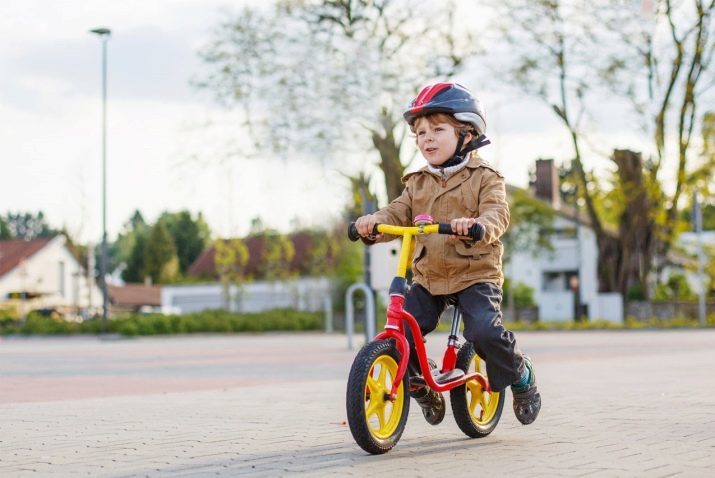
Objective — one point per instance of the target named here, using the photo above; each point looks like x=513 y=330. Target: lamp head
x=102 y=31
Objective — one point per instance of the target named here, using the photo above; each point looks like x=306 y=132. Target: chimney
x=546 y=186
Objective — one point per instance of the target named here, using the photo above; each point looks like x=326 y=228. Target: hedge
x=157 y=324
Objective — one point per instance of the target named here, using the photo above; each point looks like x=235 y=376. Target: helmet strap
x=460 y=154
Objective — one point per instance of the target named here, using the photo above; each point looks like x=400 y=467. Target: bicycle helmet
x=449 y=98
x=455 y=100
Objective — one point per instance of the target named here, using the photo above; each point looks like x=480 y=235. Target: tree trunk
x=636 y=226
x=389 y=149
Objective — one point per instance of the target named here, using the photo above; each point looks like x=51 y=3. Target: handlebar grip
x=476 y=232
x=353 y=232
x=445 y=228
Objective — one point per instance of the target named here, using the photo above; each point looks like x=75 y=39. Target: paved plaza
x=627 y=403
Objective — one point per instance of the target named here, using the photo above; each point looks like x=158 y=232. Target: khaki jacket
x=439 y=264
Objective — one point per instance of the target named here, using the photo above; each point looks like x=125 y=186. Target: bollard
x=350 y=312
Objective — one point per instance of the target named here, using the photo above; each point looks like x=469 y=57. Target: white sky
x=50 y=124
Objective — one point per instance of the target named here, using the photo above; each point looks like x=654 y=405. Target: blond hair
x=436 y=118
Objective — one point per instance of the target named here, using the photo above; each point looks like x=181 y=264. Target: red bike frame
x=397 y=316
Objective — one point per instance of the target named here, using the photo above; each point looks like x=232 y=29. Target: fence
x=306 y=294
x=666 y=310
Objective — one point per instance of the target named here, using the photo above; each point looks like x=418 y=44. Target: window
x=559 y=281
x=62 y=279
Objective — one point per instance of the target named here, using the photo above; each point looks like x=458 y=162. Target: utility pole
x=698 y=223
x=104 y=34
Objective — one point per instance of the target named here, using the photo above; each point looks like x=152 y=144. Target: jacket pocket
x=481 y=258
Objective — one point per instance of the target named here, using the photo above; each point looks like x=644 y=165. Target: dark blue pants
x=481 y=314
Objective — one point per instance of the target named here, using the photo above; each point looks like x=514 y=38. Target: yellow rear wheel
x=475 y=410
x=376 y=419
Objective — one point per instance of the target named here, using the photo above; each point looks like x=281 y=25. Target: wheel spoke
x=383 y=375
x=373 y=407
x=473 y=403
x=381 y=415
x=483 y=401
x=373 y=386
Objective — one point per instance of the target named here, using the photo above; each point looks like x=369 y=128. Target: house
x=136 y=298
x=44 y=274
x=565 y=278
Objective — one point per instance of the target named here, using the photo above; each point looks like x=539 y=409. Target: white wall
x=556 y=306
x=578 y=253
x=303 y=294
x=384 y=258
x=607 y=306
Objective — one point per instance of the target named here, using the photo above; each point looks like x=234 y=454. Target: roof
x=566 y=211
x=13 y=252
x=135 y=295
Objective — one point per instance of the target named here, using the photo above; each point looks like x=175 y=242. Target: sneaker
x=527 y=399
x=432 y=404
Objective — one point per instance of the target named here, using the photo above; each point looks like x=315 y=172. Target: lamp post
x=104 y=34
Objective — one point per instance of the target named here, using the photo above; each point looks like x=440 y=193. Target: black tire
x=377 y=432
x=476 y=415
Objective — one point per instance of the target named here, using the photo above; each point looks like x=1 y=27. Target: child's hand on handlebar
x=365 y=226
x=460 y=226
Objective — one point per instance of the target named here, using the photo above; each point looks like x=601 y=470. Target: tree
x=5 y=232
x=160 y=260
x=230 y=259
x=128 y=250
x=135 y=270
x=319 y=77
x=278 y=254
x=662 y=66
x=190 y=236
x=560 y=58
x=28 y=226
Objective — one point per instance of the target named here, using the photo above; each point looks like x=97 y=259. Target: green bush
x=214 y=321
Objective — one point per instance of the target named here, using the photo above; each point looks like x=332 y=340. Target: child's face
x=437 y=140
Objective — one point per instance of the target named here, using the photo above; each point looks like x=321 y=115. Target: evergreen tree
x=5 y=232
x=134 y=271
x=190 y=236
x=160 y=260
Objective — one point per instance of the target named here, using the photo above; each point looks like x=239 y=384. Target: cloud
x=143 y=63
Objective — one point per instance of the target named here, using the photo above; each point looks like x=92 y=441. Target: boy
x=457 y=185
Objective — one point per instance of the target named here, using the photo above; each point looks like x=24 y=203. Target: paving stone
x=621 y=403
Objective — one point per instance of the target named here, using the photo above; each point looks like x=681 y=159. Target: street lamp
x=104 y=34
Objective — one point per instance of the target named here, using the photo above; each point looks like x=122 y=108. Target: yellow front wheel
x=376 y=419
x=475 y=410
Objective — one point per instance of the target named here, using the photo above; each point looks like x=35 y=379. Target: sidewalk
x=629 y=403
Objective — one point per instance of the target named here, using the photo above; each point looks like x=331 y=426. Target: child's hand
x=461 y=226
x=365 y=226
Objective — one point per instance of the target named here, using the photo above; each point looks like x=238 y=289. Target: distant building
x=565 y=279
x=44 y=274
x=136 y=298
